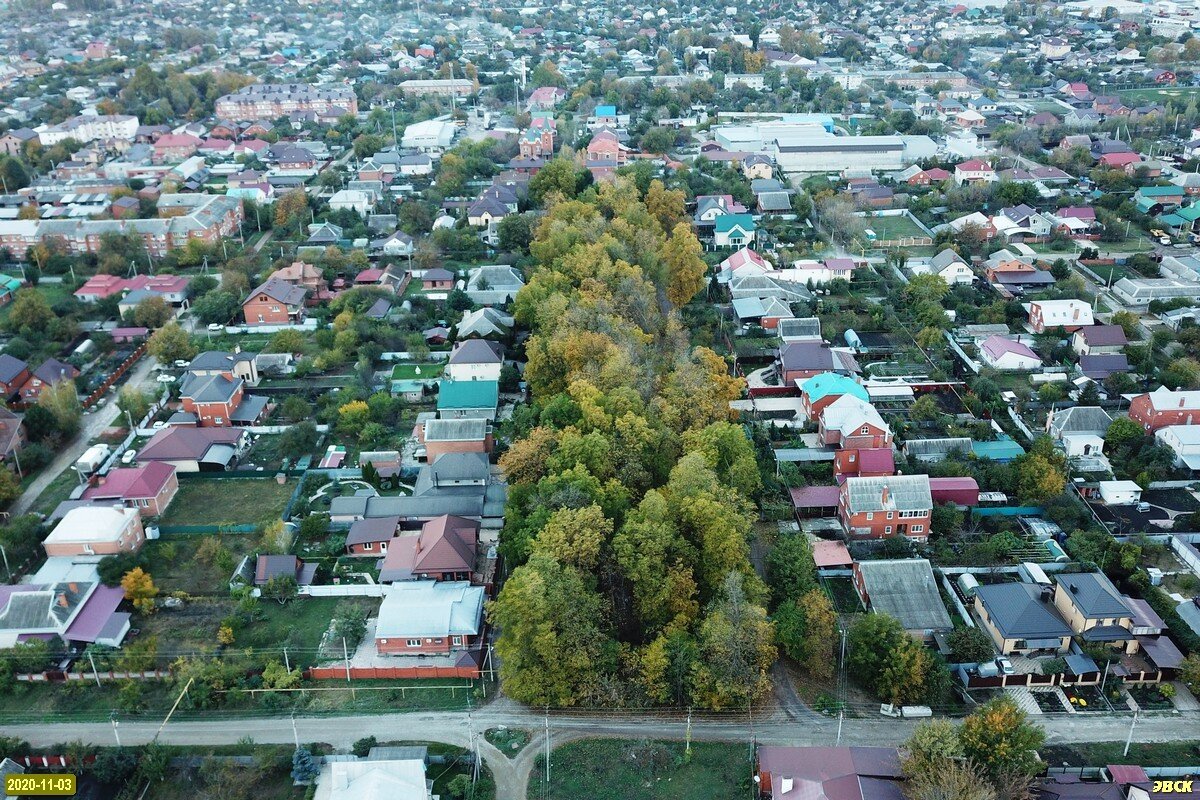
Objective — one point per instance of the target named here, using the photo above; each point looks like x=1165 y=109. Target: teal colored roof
x=1191 y=213
x=1174 y=220
x=1159 y=191
x=468 y=394
x=999 y=450
x=1144 y=204
x=727 y=222
x=606 y=111
x=830 y=383
x=9 y=283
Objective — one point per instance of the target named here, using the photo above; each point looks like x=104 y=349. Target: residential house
x=1020 y=619
x=12 y=433
x=493 y=285
x=757 y=166
x=950 y=267
x=275 y=302
x=1095 y=610
x=76 y=612
x=220 y=400
x=468 y=399
x=1164 y=407
x=51 y=373
x=851 y=423
x=14 y=373
x=437 y=279
x=269 y=567
x=441 y=436
x=819 y=273
x=371 y=537
x=191 y=449
x=765 y=312
x=869 y=462
x=974 y=171
x=999 y=352
x=1070 y=315
x=799 y=360
x=149 y=488
x=743 y=262
x=475 y=360
x=824 y=388
x=1184 y=441
x=881 y=507
x=238 y=364
x=428 y=617
x=388 y=773
x=96 y=531
x=906 y=590
x=1079 y=430
x=829 y=773
x=484 y=323
x=711 y=206
x=305 y=276
x=1097 y=339
x=733 y=230
x=443 y=550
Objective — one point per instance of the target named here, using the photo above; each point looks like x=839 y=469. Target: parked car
x=1004 y=665
x=164 y=378
x=215 y=327
x=128 y=456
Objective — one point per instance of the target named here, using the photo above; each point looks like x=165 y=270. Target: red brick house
x=1163 y=407
x=13 y=374
x=870 y=462
x=443 y=550
x=148 y=488
x=927 y=176
x=440 y=436
x=881 y=507
x=851 y=424
x=437 y=279
x=429 y=618
x=51 y=372
x=212 y=398
x=820 y=391
x=275 y=302
x=371 y=536
x=605 y=146
x=12 y=433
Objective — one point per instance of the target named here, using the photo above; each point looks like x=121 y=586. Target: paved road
x=513 y=775
x=91 y=425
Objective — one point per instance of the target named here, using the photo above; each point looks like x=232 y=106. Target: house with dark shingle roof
x=275 y=302
x=51 y=372
x=1020 y=619
x=443 y=550
x=1095 y=610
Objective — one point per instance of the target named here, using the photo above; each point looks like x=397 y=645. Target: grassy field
x=615 y=769
x=233 y=501
x=888 y=228
x=191 y=564
x=53 y=292
x=409 y=372
x=1139 y=97
x=57 y=491
x=1097 y=754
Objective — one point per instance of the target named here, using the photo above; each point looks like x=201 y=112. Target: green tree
x=558 y=175
x=10 y=487
x=658 y=140
x=999 y=739
x=298 y=440
x=289 y=340
x=304 y=768
x=281 y=588
x=736 y=650
x=134 y=402
x=1129 y=323
x=217 y=307
x=685 y=268
x=1122 y=431
x=62 y=402
x=153 y=312
x=790 y=568
x=171 y=343
x=29 y=310
x=887 y=659
x=970 y=645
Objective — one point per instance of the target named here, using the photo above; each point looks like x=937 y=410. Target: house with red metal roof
x=149 y=488
x=443 y=550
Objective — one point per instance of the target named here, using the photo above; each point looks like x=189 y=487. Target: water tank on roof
x=1057 y=554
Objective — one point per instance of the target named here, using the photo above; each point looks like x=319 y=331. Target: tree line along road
x=512 y=776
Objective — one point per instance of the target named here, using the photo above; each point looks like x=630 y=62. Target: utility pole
x=1129 y=739
x=687 y=747
x=547 y=712
x=286 y=663
x=4 y=553
x=346 y=656
x=295 y=733
x=113 y=719
x=95 y=673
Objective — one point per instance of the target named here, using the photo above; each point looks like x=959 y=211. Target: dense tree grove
x=631 y=491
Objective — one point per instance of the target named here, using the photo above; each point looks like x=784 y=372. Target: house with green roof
x=1157 y=199
x=824 y=388
x=8 y=288
x=1181 y=220
x=1002 y=450
x=468 y=399
x=733 y=230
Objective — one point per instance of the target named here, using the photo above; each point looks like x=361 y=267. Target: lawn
x=1097 y=754
x=247 y=501
x=53 y=292
x=618 y=769
x=1141 y=97
x=411 y=372
x=889 y=228
x=56 y=491
x=269 y=778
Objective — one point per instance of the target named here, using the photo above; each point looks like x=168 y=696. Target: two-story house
x=1164 y=407
x=275 y=302
x=882 y=507
x=475 y=360
x=853 y=424
x=1095 y=610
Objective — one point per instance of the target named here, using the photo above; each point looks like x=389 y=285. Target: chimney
x=884 y=495
x=785 y=785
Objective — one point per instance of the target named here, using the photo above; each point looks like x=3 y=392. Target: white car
x=164 y=378
x=181 y=364
x=215 y=327
x=128 y=456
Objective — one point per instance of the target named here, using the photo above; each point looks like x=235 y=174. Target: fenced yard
x=232 y=501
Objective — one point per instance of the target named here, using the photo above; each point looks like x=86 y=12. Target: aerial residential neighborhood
x=582 y=399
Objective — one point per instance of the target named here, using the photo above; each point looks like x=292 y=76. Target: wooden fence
x=57 y=676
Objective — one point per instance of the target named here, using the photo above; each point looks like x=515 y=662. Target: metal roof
x=906 y=589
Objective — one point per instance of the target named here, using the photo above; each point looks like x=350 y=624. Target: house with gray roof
x=905 y=589
x=493 y=285
x=484 y=323
x=428 y=617
x=1095 y=610
x=1021 y=619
